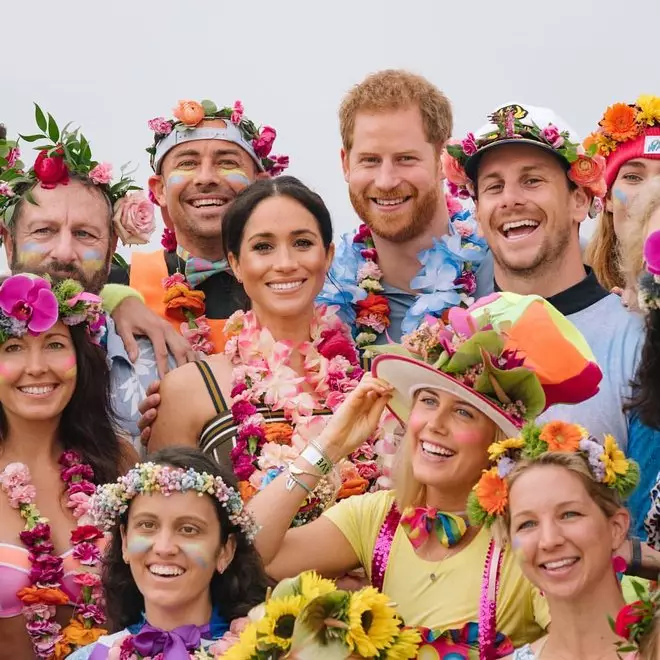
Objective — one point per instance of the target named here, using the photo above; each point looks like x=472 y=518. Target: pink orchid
x=29 y=301
x=101 y=174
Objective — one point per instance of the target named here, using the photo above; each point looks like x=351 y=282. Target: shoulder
x=181 y=380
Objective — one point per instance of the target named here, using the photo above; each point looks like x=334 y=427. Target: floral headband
x=111 y=500
x=61 y=154
x=189 y=115
x=634 y=621
x=608 y=464
x=586 y=167
x=31 y=305
x=649 y=282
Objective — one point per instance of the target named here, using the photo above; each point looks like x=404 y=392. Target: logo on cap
x=652 y=144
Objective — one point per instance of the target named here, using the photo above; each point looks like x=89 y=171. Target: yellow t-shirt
x=451 y=599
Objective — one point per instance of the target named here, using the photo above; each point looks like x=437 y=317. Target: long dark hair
x=646 y=385
x=87 y=424
x=234 y=592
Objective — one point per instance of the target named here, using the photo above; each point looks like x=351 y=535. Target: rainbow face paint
x=177 y=177
x=620 y=195
x=71 y=366
x=197 y=552
x=237 y=177
x=92 y=261
x=138 y=544
x=32 y=253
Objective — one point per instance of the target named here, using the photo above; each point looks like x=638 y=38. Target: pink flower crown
x=29 y=304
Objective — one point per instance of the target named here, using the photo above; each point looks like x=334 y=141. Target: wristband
x=292 y=481
x=113 y=294
x=317 y=458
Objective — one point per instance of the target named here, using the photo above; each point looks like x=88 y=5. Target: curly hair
x=234 y=592
x=395 y=89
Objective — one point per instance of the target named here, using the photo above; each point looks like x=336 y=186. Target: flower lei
x=447 y=278
x=50 y=641
x=181 y=300
x=607 y=463
x=634 y=621
x=262 y=375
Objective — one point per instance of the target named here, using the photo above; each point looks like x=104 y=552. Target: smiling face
x=173 y=546
x=526 y=210
x=38 y=374
x=282 y=260
x=449 y=441
x=198 y=180
x=554 y=521
x=393 y=173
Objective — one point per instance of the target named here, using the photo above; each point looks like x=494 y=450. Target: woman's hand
x=356 y=419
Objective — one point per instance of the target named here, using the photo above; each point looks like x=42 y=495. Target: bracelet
x=298 y=471
x=315 y=456
x=293 y=481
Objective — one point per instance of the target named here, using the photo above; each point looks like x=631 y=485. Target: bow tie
x=197 y=270
x=419 y=522
x=173 y=644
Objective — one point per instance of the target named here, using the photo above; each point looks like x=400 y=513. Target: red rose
x=628 y=616
x=51 y=170
x=85 y=533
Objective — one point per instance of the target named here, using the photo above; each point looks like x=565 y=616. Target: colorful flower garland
x=262 y=376
x=447 y=278
x=50 y=641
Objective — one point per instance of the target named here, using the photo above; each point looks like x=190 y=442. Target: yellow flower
x=276 y=627
x=614 y=460
x=372 y=623
x=246 y=647
x=313 y=585
x=405 y=646
x=497 y=449
x=649 y=109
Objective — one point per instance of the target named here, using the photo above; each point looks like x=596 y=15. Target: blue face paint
x=138 y=545
x=620 y=195
x=197 y=552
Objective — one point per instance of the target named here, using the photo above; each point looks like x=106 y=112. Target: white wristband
x=316 y=458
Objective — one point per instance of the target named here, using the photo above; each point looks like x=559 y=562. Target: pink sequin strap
x=383 y=547
x=488 y=602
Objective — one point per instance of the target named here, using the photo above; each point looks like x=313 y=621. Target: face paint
x=6 y=373
x=92 y=261
x=620 y=195
x=138 y=545
x=197 y=552
x=31 y=253
x=177 y=177
x=71 y=366
x=236 y=177
x=468 y=436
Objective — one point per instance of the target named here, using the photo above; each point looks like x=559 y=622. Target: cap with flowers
x=606 y=461
x=63 y=153
x=627 y=131
x=509 y=356
x=515 y=123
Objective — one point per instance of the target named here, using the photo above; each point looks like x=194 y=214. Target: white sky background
x=111 y=66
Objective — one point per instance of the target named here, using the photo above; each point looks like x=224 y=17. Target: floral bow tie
x=198 y=270
x=419 y=522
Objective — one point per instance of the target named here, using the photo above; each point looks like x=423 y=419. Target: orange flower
x=189 y=113
x=355 y=486
x=561 y=436
x=619 y=123
x=587 y=170
x=492 y=492
x=46 y=596
x=279 y=432
x=76 y=633
x=374 y=306
x=62 y=649
x=246 y=490
x=181 y=296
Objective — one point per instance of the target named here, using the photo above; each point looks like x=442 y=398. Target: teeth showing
x=199 y=203
x=167 y=571
x=508 y=226
x=37 y=390
x=390 y=202
x=436 y=450
x=554 y=565
x=285 y=286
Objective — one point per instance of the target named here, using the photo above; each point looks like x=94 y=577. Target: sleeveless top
x=148 y=270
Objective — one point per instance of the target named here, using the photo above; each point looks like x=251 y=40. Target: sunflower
x=561 y=436
x=492 y=492
x=276 y=627
x=649 y=109
x=619 y=122
x=246 y=647
x=405 y=645
x=497 y=449
x=313 y=585
x=372 y=622
x=614 y=460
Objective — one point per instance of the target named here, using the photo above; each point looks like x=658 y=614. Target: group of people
x=454 y=403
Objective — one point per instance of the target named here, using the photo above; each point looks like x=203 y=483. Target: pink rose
x=237 y=113
x=263 y=144
x=134 y=219
x=334 y=400
x=469 y=145
x=551 y=134
x=368 y=470
x=160 y=125
x=101 y=174
x=453 y=169
x=464 y=228
x=453 y=205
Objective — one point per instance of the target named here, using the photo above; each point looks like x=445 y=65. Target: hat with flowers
x=62 y=154
x=627 y=131
x=188 y=125
x=30 y=304
x=514 y=123
x=509 y=356
x=607 y=463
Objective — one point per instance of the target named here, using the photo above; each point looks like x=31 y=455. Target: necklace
x=49 y=640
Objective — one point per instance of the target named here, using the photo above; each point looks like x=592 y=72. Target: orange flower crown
x=489 y=499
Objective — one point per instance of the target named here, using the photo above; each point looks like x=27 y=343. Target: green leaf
x=390 y=349
x=469 y=354
x=29 y=197
x=40 y=118
x=210 y=108
x=53 y=130
x=33 y=138
x=118 y=260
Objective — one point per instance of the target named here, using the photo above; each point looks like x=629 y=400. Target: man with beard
x=410 y=258
x=202 y=159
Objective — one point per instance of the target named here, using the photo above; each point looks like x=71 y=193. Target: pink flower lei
x=262 y=376
x=49 y=640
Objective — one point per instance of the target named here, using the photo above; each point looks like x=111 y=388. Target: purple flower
x=243 y=467
x=40 y=532
x=241 y=410
x=46 y=578
x=80 y=470
x=552 y=136
x=280 y=163
x=508 y=360
x=504 y=466
x=92 y=612
x=81 y=487
x=239 y=388
x=87 y=553
x=469 y=145
x=69 y=458
x=160 y=125
x=31 y=301
x=467 y=280
x=42 y=627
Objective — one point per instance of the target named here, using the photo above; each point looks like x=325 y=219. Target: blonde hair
x=394 y=89
x=649 y=644
x=602 y=253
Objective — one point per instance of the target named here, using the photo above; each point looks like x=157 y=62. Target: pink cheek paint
x=139 y=545
x=7 y=374
x=468 y=436
x=70 y=366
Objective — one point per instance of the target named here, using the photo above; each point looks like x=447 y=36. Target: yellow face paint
x=237 y=177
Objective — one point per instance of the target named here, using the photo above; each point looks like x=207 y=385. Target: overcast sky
x=111 y=66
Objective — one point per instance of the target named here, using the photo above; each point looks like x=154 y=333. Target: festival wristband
x=113 y=294
x=314 y=456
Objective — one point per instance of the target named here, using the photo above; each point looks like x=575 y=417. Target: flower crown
x=586 y=167
x=111 y=500
x=649 y=282
x=190 y=114
x=30 y=304
x=61 y=154
x=634 y=621
x=608 y=465
x=622 y=122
